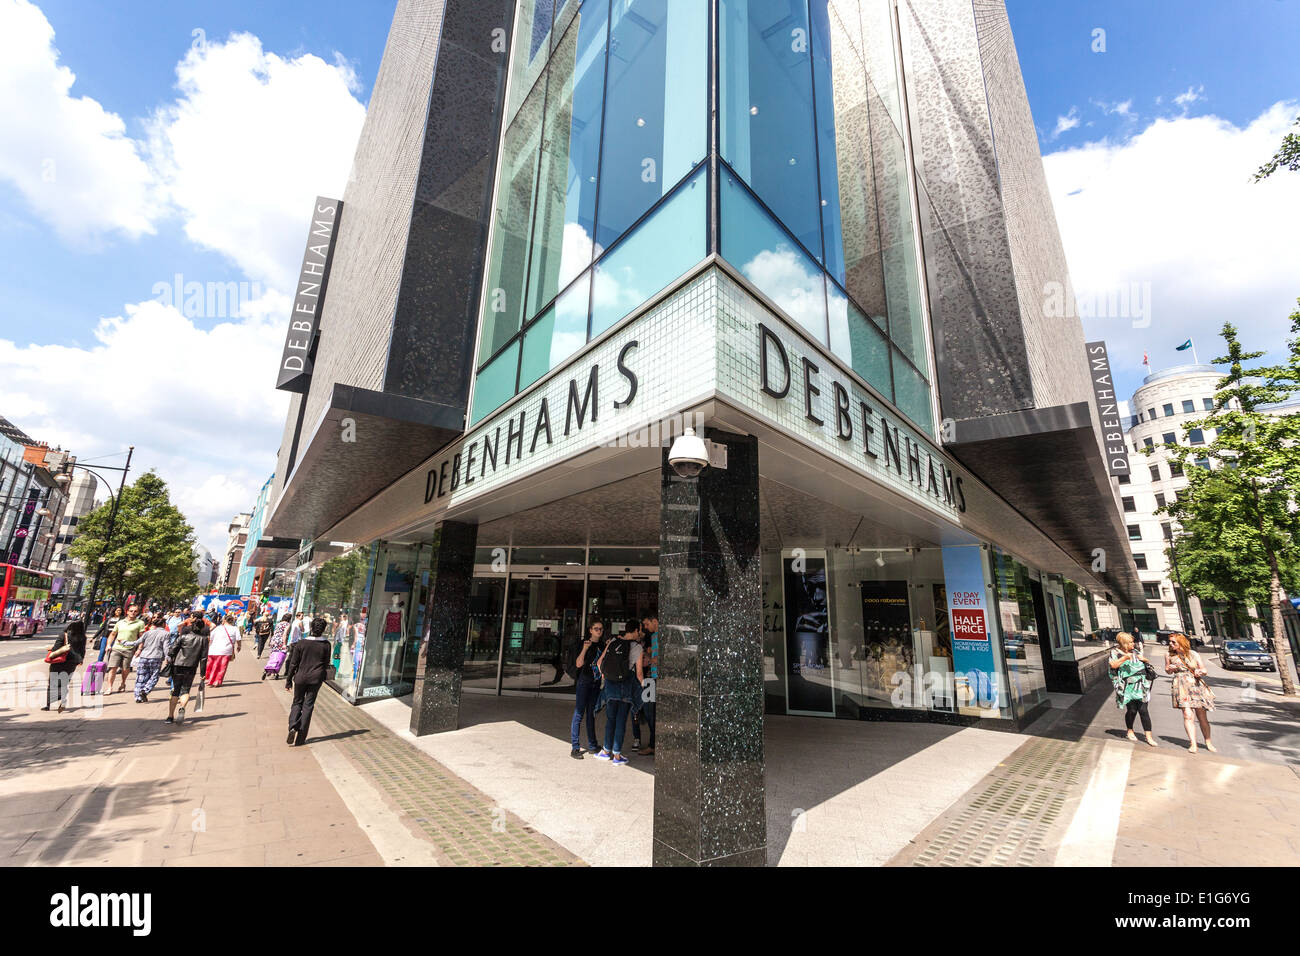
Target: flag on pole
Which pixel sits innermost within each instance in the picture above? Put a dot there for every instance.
(1145, 361)
(1184, 347)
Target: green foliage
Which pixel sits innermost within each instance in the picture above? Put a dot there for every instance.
(1286, 157)
(151, 539)
(1240, 517)
(340, 582)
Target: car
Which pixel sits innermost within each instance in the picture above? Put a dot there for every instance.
(1234, 654)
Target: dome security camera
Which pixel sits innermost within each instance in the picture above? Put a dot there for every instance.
(688, 456)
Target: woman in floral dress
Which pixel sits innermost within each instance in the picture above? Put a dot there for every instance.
(1191, 694)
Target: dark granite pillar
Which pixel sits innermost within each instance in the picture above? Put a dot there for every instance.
(709, 804)
(435, 705)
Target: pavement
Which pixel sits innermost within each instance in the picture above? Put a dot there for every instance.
(111, 783)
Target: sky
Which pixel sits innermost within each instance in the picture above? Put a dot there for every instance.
(149, 148)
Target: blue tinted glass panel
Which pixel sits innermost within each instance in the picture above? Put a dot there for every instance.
(771, 260)
(531, 47)
(560, 332)
(566, 190)
(766, 105)
(858, 342)
(495, 385)
(656, 108)
(661, 249)
(912, 394)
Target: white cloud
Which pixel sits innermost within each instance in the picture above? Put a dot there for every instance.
(1174, 206)
(1124, 109)
(1066, 123)
(199, 404)
(1191, 96)
(69, 157)
(251, 141)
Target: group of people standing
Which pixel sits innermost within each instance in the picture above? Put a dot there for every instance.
(615, 674)
(1133, 676)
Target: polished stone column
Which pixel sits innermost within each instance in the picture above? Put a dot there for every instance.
(435, 706)
(709, 804)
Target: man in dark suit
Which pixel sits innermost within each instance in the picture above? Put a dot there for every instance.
(309, 661)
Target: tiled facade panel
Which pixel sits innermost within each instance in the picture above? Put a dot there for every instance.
(1054, 344)
(980, 351)
(436, 316)
(357, 317)
(286, 444)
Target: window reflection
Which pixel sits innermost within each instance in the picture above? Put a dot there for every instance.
(566, 192)
(656, 110)
(495, 384)
(660, 250)
(858, 342)
(767, 256)
(765, 85)
(557, 334)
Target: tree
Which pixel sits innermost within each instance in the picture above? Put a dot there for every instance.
(1241, 524)
(1286, 157)
(152, 548)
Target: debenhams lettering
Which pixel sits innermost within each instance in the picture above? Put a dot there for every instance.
(868, 430)
(1112, 427)
(500, 449)
(295, 363)
(857, 423)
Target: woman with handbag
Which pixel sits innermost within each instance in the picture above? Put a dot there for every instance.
(1132, 674)
(1191, 694)
(68, 650)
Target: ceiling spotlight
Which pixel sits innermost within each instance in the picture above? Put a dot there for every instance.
(880, 559)
(753, 111)
(640, 121)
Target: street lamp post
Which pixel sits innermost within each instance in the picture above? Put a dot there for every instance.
(112, 522)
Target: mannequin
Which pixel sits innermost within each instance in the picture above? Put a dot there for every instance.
(358, 646)
(394, 634)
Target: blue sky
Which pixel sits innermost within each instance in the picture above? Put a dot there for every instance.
(208, 177)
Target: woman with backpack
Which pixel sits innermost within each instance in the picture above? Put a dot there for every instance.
(622, 693)
(1132, 674)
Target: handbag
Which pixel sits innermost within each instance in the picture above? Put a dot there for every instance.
(58, 655)
(1150, 671)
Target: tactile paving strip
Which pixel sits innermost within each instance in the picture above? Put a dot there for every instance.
(1015, 816)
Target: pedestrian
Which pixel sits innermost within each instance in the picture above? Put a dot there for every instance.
(67, 651)
(309, 662)
(278, 648)
(1191, 694)
(296, 629)
(174, 622)
(149, 655)
(648, 675)
(620, 694)
(224, 641)
(188, 656)
(121, 647)
(262, 628)
(1132, 680)
(586, 690)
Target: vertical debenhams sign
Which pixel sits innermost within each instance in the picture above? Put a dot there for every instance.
(295, 363)
(1112, 423)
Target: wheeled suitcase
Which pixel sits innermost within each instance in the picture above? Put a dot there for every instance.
(273, 664)
(92, 682)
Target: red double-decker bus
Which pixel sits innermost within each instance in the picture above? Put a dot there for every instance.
(23, 596)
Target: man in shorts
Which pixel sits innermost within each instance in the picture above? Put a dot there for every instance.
(122, 640)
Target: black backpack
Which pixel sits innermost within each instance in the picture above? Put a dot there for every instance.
(570, 659)
(614, 666)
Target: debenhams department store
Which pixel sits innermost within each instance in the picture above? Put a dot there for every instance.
(816, 233)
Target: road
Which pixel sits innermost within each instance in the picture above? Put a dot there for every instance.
(1251, 720)
(26, 650)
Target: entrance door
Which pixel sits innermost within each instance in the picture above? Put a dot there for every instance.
(621, 599)
(543, 615)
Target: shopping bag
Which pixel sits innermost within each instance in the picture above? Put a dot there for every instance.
(198, 698)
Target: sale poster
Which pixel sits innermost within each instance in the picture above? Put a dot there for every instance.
(969, 626)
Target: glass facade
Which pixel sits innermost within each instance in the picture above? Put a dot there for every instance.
(604, 197)
(372, 599)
